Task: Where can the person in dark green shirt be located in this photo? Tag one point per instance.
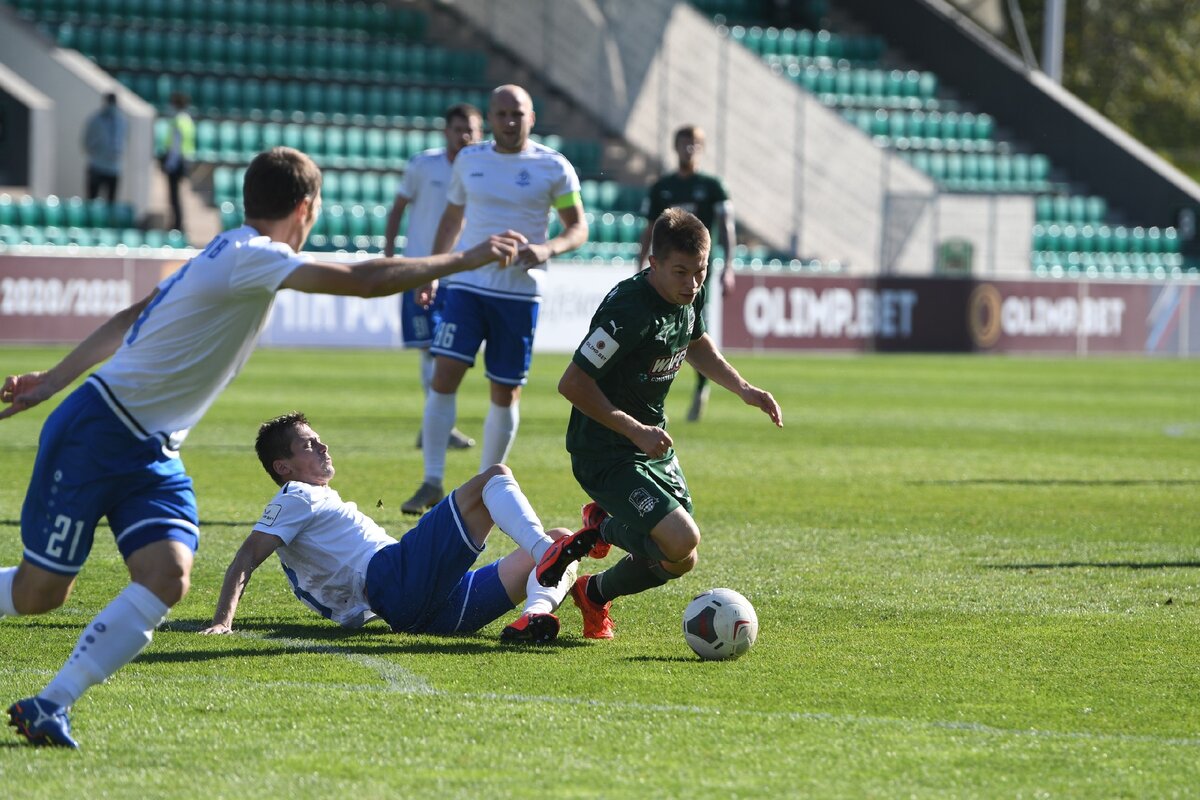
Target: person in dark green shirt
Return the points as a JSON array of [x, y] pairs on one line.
[[705, 196], [621, 453]]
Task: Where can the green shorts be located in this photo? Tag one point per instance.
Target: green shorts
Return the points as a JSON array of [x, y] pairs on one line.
[[636, 490]]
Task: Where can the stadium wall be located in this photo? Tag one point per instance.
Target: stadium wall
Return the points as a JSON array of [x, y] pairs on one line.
[[60, 299], [76, 87]]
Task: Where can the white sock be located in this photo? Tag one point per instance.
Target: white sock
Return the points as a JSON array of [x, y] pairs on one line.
[[499, 431], [542, 600], [440, 411], [512, 514], [426, 369], [7, 576], [109, 642]]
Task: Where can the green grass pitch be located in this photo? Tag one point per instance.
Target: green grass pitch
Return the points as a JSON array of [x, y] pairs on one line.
[[975, 577]]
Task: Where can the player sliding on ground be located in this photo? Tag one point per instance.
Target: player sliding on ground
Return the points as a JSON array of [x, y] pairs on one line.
[[111, 448], [621, 453], [343, 565]]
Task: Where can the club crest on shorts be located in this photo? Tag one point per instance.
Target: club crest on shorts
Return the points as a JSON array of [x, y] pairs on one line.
[[642, 501]]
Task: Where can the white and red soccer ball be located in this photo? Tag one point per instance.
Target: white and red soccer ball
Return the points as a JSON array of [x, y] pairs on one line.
[[720, 624]]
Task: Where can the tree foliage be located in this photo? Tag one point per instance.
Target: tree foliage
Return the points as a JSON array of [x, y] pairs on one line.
[[1138, 63]]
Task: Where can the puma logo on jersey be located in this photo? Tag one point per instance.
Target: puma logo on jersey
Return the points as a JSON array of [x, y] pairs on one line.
[[615, 327]]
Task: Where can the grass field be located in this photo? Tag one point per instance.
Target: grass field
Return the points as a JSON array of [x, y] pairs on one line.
[[975, 577]]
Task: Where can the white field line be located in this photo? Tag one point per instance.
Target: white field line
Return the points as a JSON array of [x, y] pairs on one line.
[[396, 677]]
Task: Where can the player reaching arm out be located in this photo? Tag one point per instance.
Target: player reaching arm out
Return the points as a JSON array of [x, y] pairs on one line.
[[375, 278], [22, 392], [384, 276], [707, 359]]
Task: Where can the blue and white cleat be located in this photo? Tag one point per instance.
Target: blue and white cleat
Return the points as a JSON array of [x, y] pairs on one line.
[[41, 722]]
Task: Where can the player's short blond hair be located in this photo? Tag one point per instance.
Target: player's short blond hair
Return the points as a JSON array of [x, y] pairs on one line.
[[679, 231]]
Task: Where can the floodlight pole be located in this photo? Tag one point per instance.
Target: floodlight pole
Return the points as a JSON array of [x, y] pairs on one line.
[[1052, 39]]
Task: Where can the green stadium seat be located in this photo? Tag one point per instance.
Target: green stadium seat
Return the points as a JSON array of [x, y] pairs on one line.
[[270, 134], [52, 212], [229, 146], [375, 148], [313, 140], [273, 99], [396, 143], [369, 190], [351, 188], [293, 135], [121, 215], [29, 212]]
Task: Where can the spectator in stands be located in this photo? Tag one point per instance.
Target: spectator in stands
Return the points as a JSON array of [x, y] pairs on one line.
[[423, 190], [705, 196], [509, 183], [176, 150], [104, 143]]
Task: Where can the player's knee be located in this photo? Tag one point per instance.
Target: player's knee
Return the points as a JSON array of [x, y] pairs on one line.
[[495, 470], [680, 543], [39, 602], [37, 591], [169, 588]]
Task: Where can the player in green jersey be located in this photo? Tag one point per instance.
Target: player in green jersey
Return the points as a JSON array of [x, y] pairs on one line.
[[706, 197], [621, 453]]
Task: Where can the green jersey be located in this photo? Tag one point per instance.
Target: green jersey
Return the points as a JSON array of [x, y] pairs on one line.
[[698, 193], [637, 344]]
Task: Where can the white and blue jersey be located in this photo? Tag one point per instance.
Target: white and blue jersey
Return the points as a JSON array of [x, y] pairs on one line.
[[424, 186], [196, 334], [110, 448], [499, 305], [508, 191], [327, 544], [345, 567]]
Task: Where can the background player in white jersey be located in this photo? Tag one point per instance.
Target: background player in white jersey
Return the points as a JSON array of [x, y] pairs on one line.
[[509, 183], [423, 192], [111, 447], [343, 565]]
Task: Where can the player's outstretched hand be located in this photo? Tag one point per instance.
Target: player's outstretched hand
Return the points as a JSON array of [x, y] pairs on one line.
[[24, 391], [218, 628], [653, 441], [500, 247], [753, 396]]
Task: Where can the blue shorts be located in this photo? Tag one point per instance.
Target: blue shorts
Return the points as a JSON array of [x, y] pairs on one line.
[[90, 465], [424, 584], [417, 323], [468, 319]]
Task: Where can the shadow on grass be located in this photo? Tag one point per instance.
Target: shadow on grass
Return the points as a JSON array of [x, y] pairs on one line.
[[1101, 565], [1060, 482], [665, 659], [375, 640]]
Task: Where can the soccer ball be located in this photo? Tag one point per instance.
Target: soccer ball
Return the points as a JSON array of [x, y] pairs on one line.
[[720, 624]]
